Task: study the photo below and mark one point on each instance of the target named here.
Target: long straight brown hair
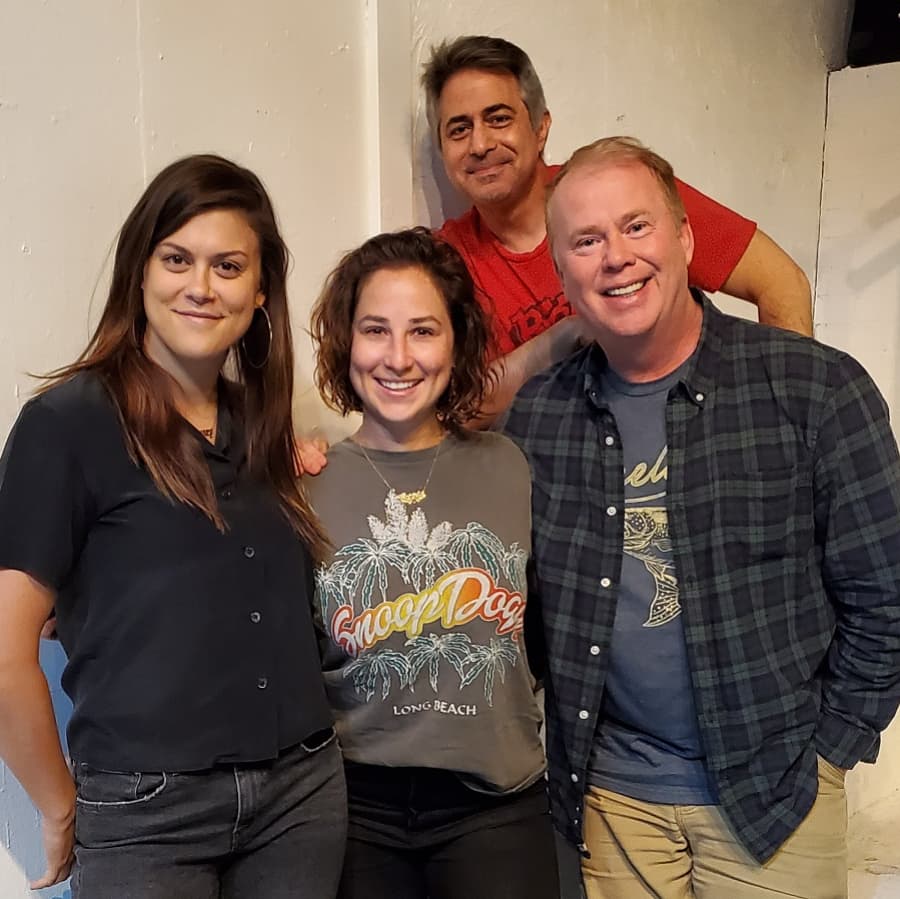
(260, 396)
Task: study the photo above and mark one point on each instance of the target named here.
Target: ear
(260, 300)
(543, 130)
(686, 236)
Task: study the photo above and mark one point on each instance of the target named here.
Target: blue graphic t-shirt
(647, 744)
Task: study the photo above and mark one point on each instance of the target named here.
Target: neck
(650, 357)
(519, 223)
(396, 438)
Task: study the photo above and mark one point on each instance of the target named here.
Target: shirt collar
(698, 379)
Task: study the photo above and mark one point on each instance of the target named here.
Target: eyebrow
(622, 220)
(488, 110)
(381, 319)
(186, 252)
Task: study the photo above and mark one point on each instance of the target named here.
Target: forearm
(524, 362)
(787, 304)
(29, 743)
(770, 279)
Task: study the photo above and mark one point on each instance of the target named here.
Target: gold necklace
(411, 497)
(209, 433)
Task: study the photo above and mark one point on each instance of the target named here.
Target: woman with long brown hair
(147, 495)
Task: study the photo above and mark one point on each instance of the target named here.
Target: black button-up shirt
(187, 647)
(784, 512)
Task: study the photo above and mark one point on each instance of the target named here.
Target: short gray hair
(478, 51)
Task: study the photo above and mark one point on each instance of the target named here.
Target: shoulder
(803, 374)
(342, 459)
(459, 231)
(79, 404)
(549, 399)
(81, 395)
(489, 445)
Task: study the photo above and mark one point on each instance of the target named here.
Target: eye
(228, 268)
(454, 132)
(586, 244)
(498, 120)
(175, 262)
(423, 331)
(636, 228)
(374, 330)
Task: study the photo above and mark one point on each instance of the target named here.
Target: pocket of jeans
(318, 740)
(102, 789)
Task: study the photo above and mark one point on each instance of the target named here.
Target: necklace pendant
(412, 498)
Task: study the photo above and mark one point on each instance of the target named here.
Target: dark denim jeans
(270, 831)
(417, 833)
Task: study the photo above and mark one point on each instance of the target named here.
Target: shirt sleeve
(44, 502)
(720, 238)
(857, 512)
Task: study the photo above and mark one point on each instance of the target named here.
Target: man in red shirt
(487, 112)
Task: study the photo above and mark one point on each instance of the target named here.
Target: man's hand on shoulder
(310, 454)
(558, 342)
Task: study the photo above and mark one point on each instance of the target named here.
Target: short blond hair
(616, 150)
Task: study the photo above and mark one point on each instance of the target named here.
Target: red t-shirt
(522, 292)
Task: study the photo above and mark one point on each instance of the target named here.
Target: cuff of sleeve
(844, 744)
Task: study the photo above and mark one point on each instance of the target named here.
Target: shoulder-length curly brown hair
(332, 321)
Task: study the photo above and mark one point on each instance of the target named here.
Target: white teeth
(625, 291)
(397, 385)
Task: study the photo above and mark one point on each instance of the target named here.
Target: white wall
(733, 94)
(858, 289)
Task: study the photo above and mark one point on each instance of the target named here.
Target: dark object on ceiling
(875, 33)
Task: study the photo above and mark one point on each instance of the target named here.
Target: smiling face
(401, 358)
(623, 262)
(490, 150)
(201, 287)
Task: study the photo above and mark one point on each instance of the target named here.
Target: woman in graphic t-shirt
(423, 599)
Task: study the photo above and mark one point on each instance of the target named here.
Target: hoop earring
(265, 359)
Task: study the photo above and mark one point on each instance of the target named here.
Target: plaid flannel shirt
(783, 501)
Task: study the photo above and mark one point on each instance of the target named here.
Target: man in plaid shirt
(722, 622)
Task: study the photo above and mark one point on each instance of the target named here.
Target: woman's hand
(59, 842)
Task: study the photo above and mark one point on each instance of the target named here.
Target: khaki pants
(644, 850)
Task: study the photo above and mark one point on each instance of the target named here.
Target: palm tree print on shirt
(354, 587)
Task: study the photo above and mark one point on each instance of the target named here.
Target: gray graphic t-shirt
(647, 744)
(422, 607)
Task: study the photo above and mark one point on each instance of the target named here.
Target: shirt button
(699, 397)
(609, 440)
(605, 582)
(595, 650)
(249, 552)
(610, 510)
(574, 778)
(255, 617)
(262, 683)
(584, 714)
(226, 493)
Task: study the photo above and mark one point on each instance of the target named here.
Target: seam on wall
(815, 289)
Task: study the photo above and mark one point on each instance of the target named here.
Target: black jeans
(267, 831)
(417, 833)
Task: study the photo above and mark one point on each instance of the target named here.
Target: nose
(481, 140)
(619, 252)
(200, 289)
(398, 358)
